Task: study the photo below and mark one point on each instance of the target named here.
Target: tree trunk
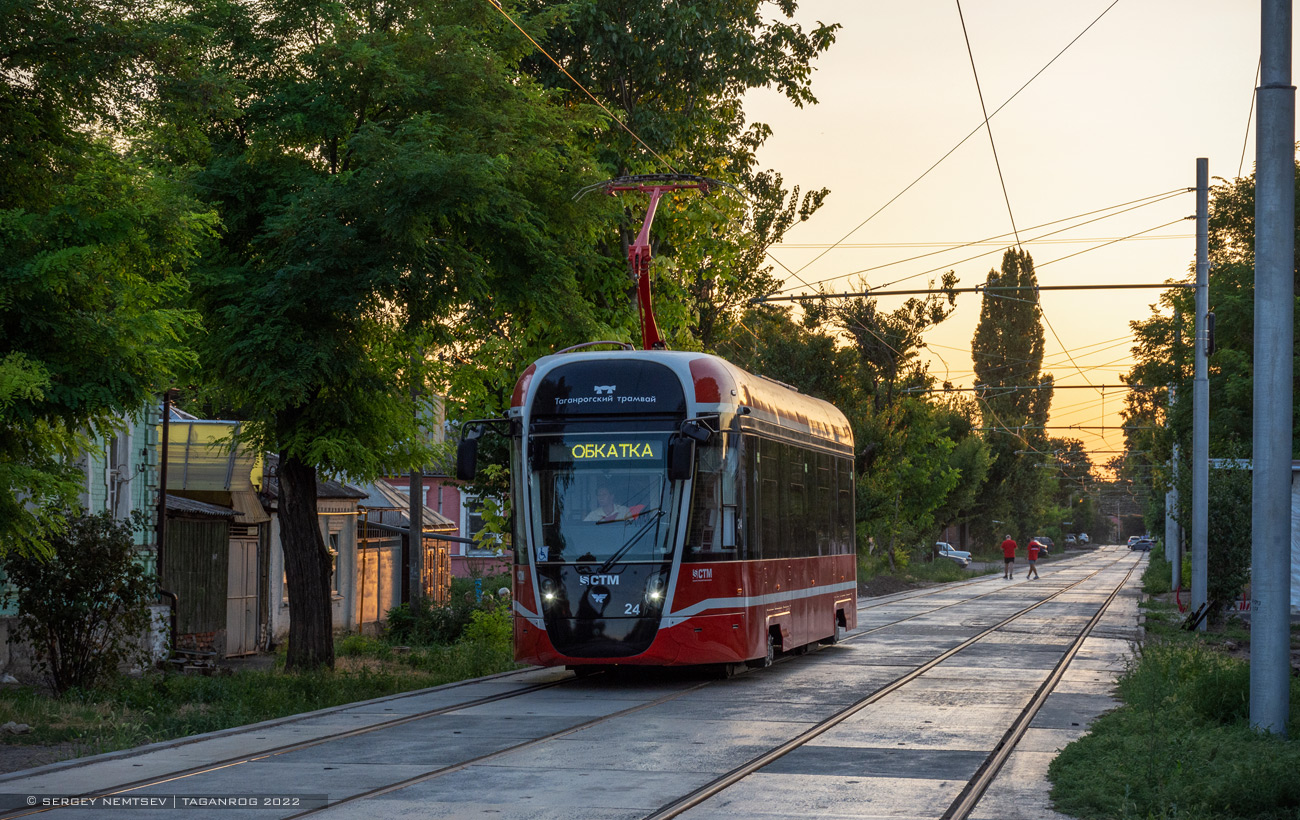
(307, 567)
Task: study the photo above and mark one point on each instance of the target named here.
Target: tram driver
(606, 508)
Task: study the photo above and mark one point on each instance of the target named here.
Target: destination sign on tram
(622, 450)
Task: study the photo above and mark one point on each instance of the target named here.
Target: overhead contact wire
(975, 131)
(496, 5)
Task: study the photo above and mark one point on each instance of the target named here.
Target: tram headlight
(549, 590)
(654, 588)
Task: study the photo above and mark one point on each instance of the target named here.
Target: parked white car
(960, 557)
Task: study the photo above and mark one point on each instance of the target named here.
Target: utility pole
(1201, 398)
(1270, 648)
(1173, 538)
(415, 534)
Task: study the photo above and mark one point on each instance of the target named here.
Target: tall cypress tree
(1008, 353)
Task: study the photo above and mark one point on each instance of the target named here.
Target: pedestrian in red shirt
(1032, 554)
(1008, 557)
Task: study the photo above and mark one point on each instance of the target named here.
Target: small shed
(196, 564)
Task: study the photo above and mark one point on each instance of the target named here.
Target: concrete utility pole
(1270, 634)
(1201, 397)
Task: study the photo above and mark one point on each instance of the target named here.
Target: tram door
(241, 597)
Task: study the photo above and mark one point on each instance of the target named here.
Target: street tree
(1164, 354)
(95, 244)
(675, 76)
(380, 171)
(1014, 396)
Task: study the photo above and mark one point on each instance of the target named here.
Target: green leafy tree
(917, 459)
(1008, 356)
(675, 76)
(1164, 355)
(768, 340)
(380, 171)
(94, 247)
(84, 607)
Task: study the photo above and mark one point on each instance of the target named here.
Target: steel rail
(181, 774)
(975, 788)
(455, 767)
(739, 773)
(235, 760)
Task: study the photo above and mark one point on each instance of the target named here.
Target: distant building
(445, 496)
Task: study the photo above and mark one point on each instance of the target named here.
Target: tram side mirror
(681, 458)
(696, 430)
(467, 459)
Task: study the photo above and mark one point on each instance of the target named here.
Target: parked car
(1133, 539)
(1084, 539)
(1070, 539)
(960, 557)
(1045, 544)
(1142, 544)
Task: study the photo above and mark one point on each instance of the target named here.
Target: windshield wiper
(645, 528)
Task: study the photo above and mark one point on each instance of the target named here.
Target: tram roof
(722, 385)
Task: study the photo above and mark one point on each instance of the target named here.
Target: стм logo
(606, 389)
(599, 599)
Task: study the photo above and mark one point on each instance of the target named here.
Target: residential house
(337, 511)
(447, 497)
(121, 477)
(383, 570)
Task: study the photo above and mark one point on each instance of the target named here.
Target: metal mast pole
(1201, 397)
(1172, 537)
(1274, 310)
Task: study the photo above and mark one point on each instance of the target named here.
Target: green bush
(83, 607)
(1157, 578)
(429, 624)
(491, 629)
(1181, 747)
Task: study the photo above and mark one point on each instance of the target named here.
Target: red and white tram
(672, 509)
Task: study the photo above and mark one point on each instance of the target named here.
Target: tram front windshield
(601, 498)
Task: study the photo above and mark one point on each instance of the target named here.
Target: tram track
(235, 760)
(669, 810)
(976, 787)
(709, 790)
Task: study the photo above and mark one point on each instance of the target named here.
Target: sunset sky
(1120, 117)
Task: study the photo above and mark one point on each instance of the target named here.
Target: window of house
(471, 524)
(333, 545)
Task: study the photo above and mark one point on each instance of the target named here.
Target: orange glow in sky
(1120, 117)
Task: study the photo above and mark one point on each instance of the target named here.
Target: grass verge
(134, 711)
(1181, 747)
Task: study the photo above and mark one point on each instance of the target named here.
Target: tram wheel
(585, 671)
(726, 671)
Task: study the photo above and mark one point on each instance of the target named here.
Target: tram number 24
(631, 609)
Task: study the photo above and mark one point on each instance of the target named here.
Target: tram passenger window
(730, 501)
(845, 528)
(769, 498)
(752, 529)
(824, 505)
(794, 521)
